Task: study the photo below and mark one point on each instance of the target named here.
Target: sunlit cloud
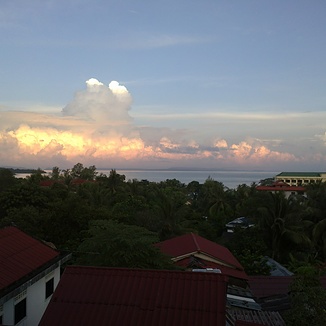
(96, 127)
(322, 137)
(221, 143)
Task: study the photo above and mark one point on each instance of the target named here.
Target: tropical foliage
(79, 209)
(307, 299)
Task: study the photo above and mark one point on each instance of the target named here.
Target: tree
(55, 174)
(115, 180)
(114, 244)
(7, 179)
(36, 176)
(214, 206)
(80, 172)
(249, 248)
(282, 228)
(308, 300)
(319, 238)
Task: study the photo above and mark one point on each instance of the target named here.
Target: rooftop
(189, 244)
(301, 174)
(280, 186)
(20, 255)
(115, 296)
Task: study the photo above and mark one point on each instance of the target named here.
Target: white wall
(36, 302)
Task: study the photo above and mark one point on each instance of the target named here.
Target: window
(20, 311)
(49, 287)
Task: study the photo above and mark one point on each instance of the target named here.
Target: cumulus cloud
(322, 137)
(221, 143)
(101, 104)
(95, 127)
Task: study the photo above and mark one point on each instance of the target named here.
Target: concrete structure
(29, 274)
(301, 178)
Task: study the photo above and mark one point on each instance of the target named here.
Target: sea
(230, 179)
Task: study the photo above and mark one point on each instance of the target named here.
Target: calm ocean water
(230, 179)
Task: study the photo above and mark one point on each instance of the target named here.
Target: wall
(36, 302)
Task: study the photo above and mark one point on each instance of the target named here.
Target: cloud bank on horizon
(96, 128)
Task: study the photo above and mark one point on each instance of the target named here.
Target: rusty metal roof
(189, 244)
(114, 296)
(20, 255)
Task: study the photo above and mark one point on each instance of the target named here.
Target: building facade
(301, 178)
(29, 274)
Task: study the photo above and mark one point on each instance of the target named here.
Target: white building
(301, 178)
(29, 273)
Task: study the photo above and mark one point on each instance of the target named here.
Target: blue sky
(213, 84)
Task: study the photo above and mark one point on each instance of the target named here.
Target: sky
(210, 84)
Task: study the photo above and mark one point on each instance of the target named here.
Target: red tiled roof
(280, 186)
(108, 296)
(77, 181)
(47, 183)
(188, 244)
(289, 188)
(20, 254)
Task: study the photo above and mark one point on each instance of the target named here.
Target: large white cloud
(96, 128)
(101, 104)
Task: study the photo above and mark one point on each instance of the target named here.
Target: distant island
(21, 170)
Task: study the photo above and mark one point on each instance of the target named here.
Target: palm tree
(319, 238)
(114, 180)
(282, 226)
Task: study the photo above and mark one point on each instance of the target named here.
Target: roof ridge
(195, 241)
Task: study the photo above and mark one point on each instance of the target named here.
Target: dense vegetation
(101, 218)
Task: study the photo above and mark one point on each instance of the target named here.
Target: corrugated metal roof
(20, 254)
(108, 296)
(190, 243)
(254, 317)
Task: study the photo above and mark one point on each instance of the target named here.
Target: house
(301, 178)
(191, 251)
(29, 273)
(240, 222)
(281, 186)
(198, 254)
(118, 296)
